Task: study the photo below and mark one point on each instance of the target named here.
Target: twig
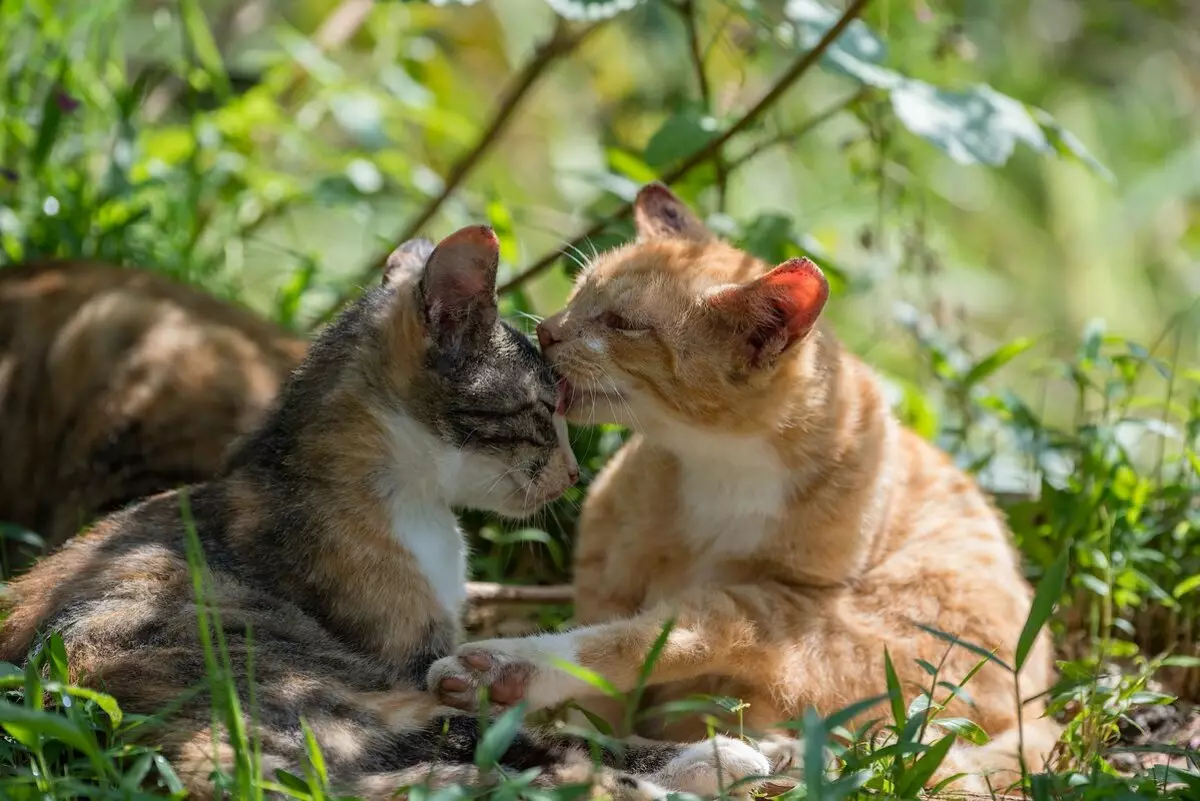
(792, 134)
(487, 592)
(802, 65)
(561, 43)
(687, 10)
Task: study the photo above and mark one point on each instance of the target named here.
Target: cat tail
(995, 766)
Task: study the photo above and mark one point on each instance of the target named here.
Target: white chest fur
(430, 533)
(732, 494)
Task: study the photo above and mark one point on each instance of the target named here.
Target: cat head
(682, 328)
(423, 376)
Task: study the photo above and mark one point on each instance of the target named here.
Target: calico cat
(769, 503)
(116, 384)
(331, 545)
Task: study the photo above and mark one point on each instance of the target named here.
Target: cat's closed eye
(616, 322)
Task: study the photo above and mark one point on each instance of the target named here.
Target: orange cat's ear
(775, 311)
(658, 214)
(458, 288)
(408, 259)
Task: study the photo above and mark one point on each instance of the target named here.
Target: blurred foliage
(1005, 197)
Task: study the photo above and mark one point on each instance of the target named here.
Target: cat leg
(713, 630)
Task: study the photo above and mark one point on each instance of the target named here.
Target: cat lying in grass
(335, 561)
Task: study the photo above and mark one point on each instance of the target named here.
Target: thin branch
(561, 43)
(487, 592)
(687, 10)
(802, 65)
(792, 134)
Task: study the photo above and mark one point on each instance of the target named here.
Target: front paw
(721, 764)
(457, 680)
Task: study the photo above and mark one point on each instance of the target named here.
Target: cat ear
(408, 259)
(775, 311)
(458, 287)
(659, 214)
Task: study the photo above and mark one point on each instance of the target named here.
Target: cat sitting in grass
(335, 562)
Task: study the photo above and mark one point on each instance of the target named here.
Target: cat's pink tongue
(565, 394)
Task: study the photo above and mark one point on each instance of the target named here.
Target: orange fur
(769, 503)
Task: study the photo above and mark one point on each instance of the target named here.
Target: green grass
(244, 187)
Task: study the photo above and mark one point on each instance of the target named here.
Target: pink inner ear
(801, 291)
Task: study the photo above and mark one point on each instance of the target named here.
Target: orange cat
(769, 503)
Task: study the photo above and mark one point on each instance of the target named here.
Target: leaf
(680, 136)
(499, 736)
(893, 687)
(963, 727)
(815, 733)
(1187, 585)
(592, 10)
(997, 359)
(57, 653)
(600, 724)
(1045, 598)
(769, 237)
(52, 114)
(106, 702)
(583, 674)
(315, 758)
(922, 770)
(27, 726)
(973, 125)
(848, 713)
(970, 646)
(203, 45)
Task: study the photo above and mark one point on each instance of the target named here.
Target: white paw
(784, 753)
(722, 763)
(457, 679)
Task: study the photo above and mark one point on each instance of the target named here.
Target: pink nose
(545, 335)
(573, 474)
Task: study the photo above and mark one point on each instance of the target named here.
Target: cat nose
(546, 335)
(573, 474)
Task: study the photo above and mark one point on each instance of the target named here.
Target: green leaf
(499, 736)
(1187, 585)
(1049, 590)
(769, 237)
(203, 45)
(106, 702)
(315, 758)
(997, 359)
(963, 727)
(970, 646)
(679, 137)
(592, 10)
(977, 125)
(815, 734)
(583, 674)
(27, 726)
(895, 695)
(52, 114)
(922, 770)
(600, 724)
(848, 713)
(57, 652)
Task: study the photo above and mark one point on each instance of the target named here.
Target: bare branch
(796, 71)
(561, 43)
(687, 9)
(487, 592)
(792, 134)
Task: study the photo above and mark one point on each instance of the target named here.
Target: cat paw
(713, 766)
(784, 753)
(456, 680)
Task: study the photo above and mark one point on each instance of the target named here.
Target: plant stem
(561, 42)
(687, 10)
(796, 71)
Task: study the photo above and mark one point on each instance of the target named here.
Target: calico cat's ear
(408, 259)
(775, 311)
(458, 288)
(659, 214)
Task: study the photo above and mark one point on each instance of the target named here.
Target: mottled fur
(769, 502)
(331, 549)
(119, 383)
